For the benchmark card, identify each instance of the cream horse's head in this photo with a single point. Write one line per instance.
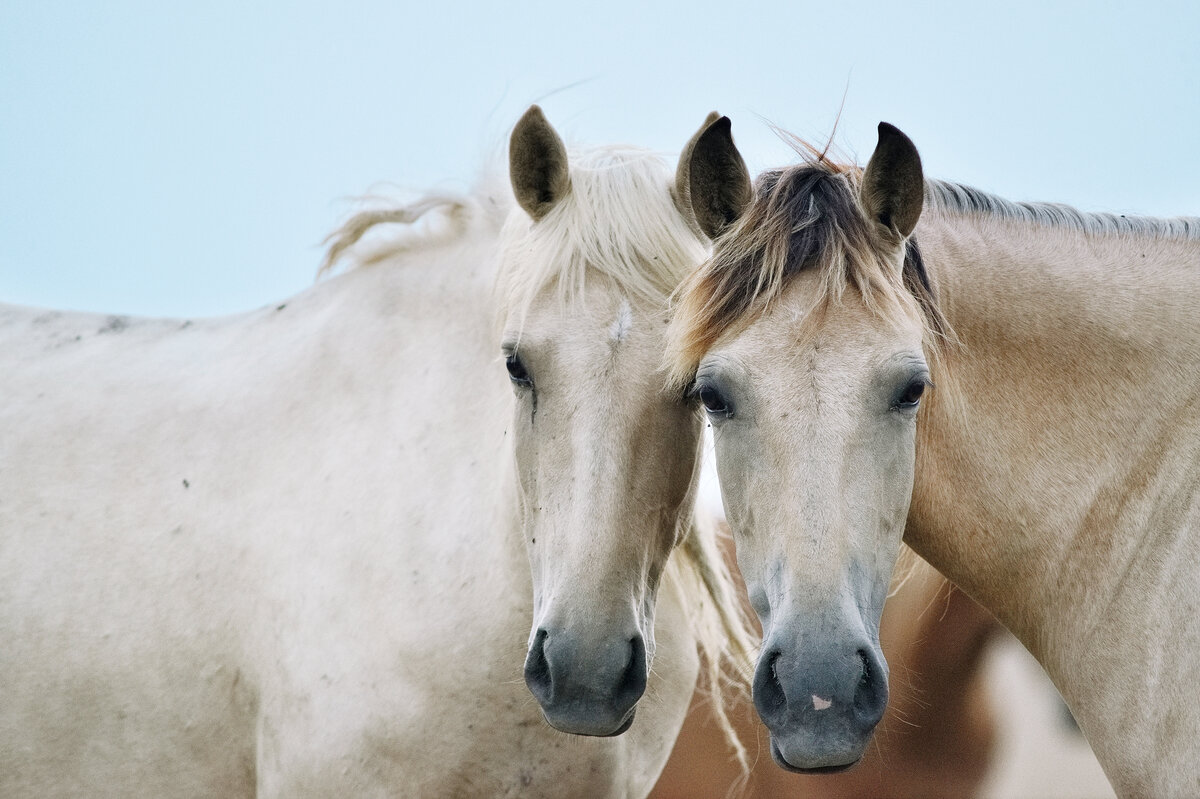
(606, 457)
(804, 340)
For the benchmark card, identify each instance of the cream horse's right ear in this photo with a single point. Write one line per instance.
(537, 164)
(712, 184)
(893, 185)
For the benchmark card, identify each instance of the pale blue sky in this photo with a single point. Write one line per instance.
(187, 159)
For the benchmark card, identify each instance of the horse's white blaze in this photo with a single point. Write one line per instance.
(623, 324)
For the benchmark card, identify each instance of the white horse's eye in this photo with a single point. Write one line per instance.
(517, 371)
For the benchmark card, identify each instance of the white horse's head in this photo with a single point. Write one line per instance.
(804, 338)
(606, 457)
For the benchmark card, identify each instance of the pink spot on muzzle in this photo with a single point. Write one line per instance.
(821, 704)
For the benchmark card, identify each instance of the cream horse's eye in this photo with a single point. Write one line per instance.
(713, 402)
(911, 395)
(517, 371)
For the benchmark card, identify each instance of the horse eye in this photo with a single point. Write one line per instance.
(517, 371)
(911, 394)
(712, 401)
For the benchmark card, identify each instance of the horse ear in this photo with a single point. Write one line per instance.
(537, 164)
(683, 191)
(893, 185)
(712, 184)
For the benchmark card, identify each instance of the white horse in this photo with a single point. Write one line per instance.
(1014, 387)
(284, 553)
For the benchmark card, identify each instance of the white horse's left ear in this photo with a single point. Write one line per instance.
(893, 185)
(712, 184)
(537, 164)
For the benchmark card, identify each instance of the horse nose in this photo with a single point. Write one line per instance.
(821, 705)
(587, 690)
(857, 683)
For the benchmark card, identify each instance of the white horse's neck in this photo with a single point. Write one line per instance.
(1058, 475)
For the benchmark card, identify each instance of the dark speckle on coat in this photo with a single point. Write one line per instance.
(114, 324)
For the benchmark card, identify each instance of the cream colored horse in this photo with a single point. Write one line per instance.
(1053, 472)
(284, 553)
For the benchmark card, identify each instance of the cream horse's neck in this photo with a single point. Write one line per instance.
(1058, 471)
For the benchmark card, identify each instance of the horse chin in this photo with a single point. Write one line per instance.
(782, 762)
(591, 730)
(625, 725)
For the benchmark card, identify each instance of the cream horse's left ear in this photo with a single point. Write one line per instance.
(537, 164)
(893, 185)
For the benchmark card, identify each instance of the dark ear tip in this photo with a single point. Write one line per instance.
(889, 132)
(533, 112)
(886, 129)
(720, 127)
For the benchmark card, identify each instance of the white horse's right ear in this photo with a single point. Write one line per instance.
(537, 164)
(712, 184)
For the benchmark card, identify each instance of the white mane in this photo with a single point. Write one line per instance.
(618, 218)
(385, 229)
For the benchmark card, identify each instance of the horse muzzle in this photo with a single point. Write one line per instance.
(587, 690)
(820, 704)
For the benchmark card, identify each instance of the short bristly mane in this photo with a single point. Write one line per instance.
(945, 197)
(802, 218)
(617, 219)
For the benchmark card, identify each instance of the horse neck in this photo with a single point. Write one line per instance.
(1058, 458)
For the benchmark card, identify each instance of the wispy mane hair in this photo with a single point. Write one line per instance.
(803, 218)
(617, 219)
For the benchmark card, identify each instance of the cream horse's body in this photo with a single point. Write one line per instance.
(1053, 471)
(281, 553)
(1075, 514)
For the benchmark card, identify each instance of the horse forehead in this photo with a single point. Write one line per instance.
(603, 324)
(782, 346)
(840, 337)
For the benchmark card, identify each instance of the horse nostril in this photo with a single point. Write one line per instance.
(769, 697)
(633, 680)
(871, 695)
(537, 670)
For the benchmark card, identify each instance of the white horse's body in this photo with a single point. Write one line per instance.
(279, 554)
